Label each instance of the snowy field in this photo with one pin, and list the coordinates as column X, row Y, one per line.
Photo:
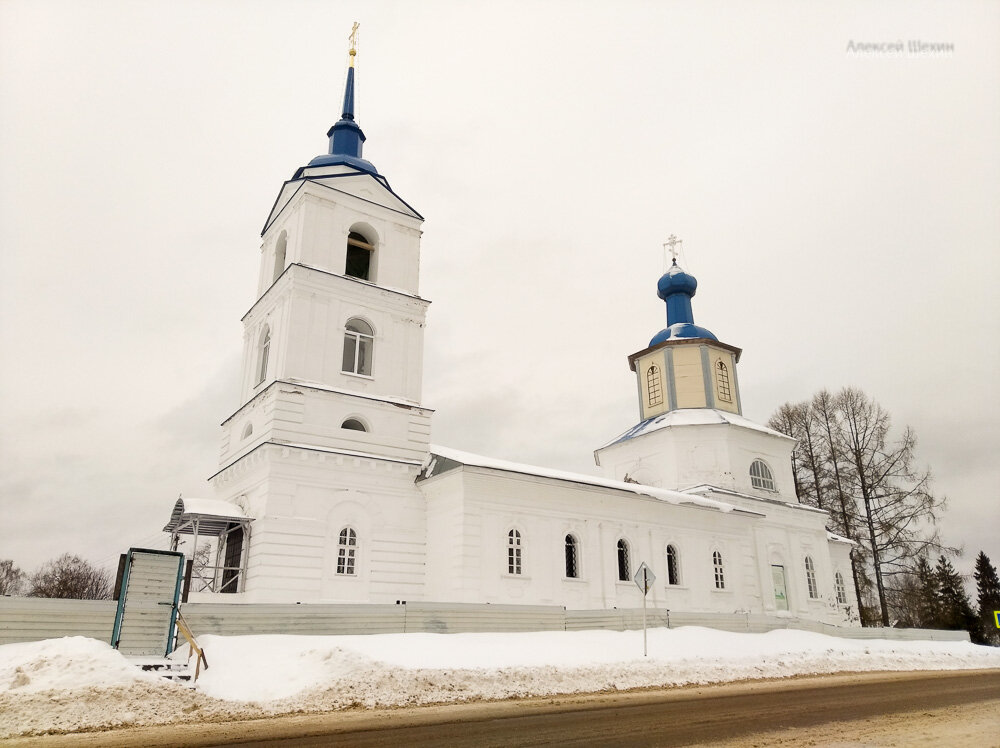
column 76, row 683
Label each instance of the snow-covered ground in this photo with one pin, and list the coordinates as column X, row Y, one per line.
column 76, row 683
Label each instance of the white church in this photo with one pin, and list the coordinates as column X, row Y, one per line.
column 329, row 488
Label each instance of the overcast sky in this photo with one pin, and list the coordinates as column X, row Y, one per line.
column 839, row 209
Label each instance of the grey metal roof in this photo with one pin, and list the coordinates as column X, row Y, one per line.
column 213, row 516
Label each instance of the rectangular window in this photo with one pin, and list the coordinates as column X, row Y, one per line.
column 513, row 560
column 654, row 386
column 364, row 356
column 350, row 351
column 720, row 577
column 722, row 379
column 572, row 572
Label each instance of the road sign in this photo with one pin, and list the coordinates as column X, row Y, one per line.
column 644, row 578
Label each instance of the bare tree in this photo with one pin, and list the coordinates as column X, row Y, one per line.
column 823, row 416
column 899, row 512
column 71, row 577
column 787, row 419
column 11, row 578
column 846, row 463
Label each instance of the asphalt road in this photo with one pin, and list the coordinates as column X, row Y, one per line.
column 674, row 718
column 927, row 709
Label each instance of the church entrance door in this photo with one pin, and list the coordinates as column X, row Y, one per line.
column 234, row 556
column 780, row 594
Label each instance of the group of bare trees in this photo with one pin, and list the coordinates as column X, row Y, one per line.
column 849, row 463
column 67, row 576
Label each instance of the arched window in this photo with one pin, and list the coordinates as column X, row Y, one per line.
column 673, row 566
column 624, row 566
column 347, row 551
column 654, row 386
column 247, row 430
column 359, row 342
column 353, row 424
column 722, row 382
column 279, row 255
column 760, row 476
column 572, row 560
column 513, row 552
column 359, row 256
column 720, row 576
column 838, row 581
column 263, row 353
column 811, row 578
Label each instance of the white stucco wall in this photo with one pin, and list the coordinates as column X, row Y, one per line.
column 720, row 454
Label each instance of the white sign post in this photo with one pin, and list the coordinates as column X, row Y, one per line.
column 644, row 579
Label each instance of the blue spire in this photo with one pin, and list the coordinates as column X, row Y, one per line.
column 677, row 288
column 346, row 138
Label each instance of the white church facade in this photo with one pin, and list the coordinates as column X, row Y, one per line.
column 329, row 488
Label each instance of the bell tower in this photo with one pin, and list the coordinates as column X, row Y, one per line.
column 330, row 425
column 333, row 344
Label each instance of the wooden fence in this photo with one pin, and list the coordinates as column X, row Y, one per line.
column 30, row 619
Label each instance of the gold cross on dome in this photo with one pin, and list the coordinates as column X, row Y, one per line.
column 354, row 41
column 671, row 243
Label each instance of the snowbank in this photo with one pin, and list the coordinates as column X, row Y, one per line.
column 75, row 683
column 65, row 664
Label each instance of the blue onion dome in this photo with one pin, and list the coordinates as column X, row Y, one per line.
column 674, row 281
column 676, row 288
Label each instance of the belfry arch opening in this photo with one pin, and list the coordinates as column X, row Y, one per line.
column 280, row 249
column 360, row 261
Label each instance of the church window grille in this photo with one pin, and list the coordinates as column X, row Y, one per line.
column 722, row 380
column 654, row 385
column 761, row 477
column 265, row 352
column 572, row 560
column 673, row 567
column 347, row 551
column 279, row 255
column 624, row 565
column 359, row 256
column 811, row 578
column 720, row 575
column 353, row 424
column 838, row 581
column 359, row 343
column 513, row 552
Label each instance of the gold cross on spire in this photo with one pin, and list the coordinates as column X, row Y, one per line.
column 672, row 242
column 354, row 42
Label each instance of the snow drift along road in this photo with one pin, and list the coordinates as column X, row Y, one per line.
column 76, row 683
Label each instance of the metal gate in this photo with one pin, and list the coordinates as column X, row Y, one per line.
column 147, row 604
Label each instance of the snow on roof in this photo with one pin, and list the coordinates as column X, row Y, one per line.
column 211, row 507
column 661, row 494
column 729, row 491
column 835, row 538
column 692, row 417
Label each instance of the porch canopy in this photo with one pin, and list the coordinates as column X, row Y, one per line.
column 229, row 525
column 204, row 517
